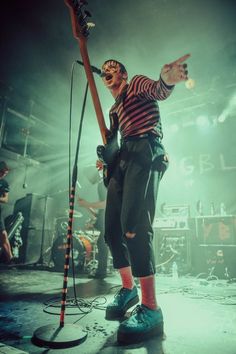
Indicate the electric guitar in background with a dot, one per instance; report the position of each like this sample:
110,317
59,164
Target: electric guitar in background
108,152
13,227
15,224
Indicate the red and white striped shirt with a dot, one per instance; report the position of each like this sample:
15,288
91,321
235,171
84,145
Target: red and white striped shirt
137,108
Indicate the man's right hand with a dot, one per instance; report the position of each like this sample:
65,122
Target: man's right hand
176,71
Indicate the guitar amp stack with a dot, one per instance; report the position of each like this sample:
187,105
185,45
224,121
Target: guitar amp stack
215,247
172,239
203,244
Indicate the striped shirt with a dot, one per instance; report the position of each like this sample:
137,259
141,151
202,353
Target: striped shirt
137,108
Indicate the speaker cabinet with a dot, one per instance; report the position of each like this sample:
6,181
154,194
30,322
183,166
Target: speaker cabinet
217,260
172,245
214,250
38,228
38,211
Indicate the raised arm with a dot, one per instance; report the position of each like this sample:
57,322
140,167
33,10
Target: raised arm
176,71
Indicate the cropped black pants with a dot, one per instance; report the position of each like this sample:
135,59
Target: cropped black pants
131,202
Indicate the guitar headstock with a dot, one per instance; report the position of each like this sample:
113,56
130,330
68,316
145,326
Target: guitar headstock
79,16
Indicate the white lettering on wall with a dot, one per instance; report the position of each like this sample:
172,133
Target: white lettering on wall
223,164
186,165
205,163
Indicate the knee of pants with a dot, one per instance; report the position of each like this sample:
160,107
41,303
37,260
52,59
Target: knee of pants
141,258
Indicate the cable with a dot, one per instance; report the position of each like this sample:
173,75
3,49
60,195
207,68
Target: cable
84,306
167,261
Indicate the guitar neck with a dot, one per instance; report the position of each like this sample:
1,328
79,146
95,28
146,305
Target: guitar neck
19,220
93,90
81,30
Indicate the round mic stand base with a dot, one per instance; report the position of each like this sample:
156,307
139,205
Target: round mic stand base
54,336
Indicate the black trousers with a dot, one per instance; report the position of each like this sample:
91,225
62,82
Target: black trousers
131,202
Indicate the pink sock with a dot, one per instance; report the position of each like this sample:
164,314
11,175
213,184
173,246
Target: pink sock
148,292
126,277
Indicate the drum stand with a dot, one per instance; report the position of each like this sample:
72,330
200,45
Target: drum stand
91,265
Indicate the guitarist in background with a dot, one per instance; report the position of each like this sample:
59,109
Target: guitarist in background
4,189
98,208
132,192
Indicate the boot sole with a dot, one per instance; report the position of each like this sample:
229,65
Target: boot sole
118,314
132,338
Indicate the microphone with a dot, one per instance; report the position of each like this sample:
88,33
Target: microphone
93,68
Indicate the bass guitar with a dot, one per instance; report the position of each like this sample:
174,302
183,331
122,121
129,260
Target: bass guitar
107,152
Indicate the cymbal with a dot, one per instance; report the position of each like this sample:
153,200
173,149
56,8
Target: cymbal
78,215
92,232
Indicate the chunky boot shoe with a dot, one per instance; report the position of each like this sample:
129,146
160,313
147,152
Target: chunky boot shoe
143,324
123,300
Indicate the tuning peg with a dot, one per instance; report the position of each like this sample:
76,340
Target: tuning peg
83,15
82,3
87,13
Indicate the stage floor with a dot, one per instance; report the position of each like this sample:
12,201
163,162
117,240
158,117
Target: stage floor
200,314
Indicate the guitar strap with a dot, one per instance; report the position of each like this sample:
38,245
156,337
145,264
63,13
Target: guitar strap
114,120
114,123
122,96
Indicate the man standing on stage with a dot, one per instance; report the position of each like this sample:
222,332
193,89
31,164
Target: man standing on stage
132,192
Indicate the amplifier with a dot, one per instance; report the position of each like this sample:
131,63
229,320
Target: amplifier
216,230
172,245
214,246
218,260
171,222
176,210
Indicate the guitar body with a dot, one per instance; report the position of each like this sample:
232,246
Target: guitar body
108,154
13,225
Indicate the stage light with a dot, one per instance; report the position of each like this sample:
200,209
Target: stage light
228,110
222,117
190,84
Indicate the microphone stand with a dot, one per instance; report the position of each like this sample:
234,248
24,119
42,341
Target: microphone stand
69,335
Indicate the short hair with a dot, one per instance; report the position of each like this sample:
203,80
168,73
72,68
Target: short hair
122,67
3,166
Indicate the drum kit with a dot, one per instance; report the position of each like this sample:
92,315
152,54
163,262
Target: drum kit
83,245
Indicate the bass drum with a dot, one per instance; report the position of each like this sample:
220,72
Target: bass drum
58,253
